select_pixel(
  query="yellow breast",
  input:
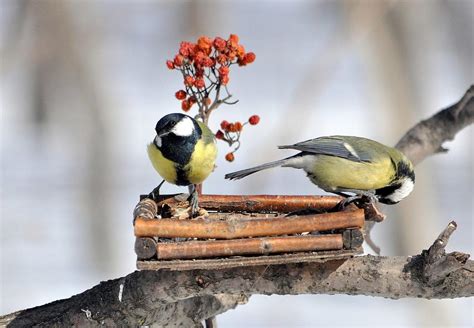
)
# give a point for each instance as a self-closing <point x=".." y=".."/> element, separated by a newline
<point x="337" y="172"/>
<point x="202" y="161"/>
<point x="162" y="165"/>
<point x="200" y="165"/>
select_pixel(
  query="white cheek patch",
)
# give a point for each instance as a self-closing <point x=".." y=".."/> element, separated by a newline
<point x="183" y="128"/>
<point x="158" y="141"/>
<point x="404" y="190"/>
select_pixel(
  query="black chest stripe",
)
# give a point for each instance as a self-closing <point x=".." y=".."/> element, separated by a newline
<point x="181" y="176"/>
<point x="178" y="149"/>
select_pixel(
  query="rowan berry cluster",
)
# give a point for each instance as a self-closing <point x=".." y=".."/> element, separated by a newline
<point x="230" y="133"/>
<point x="205" y="67"/>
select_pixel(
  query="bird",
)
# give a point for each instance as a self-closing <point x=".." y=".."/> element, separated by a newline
<point x="346" y="165"/>
<point x="183" y="153"/>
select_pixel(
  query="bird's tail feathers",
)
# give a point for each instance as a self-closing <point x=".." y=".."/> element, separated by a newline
<point x="243" y="173"/>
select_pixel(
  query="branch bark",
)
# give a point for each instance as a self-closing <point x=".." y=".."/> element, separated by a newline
<point x="171" y="298"/>
<point x="427" y="137"/>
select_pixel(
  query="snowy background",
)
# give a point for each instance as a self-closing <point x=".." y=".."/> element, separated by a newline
<point x="84" y="82"/>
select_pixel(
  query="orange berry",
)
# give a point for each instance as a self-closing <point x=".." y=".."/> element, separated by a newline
<point x="224" y="79"/>
<point x="207" y="101"/>
<point x="222" y="59"/>
<point x="229" y="157"/>
<point x="187" y="49"/>
<point x="180" y="94"/>
<point x="249" y="58"/>
<point x="178" y="60"/>
<point x="231" y="55"/>
<point x="238" y="126"/>
<point x="188" y="80"/>
<point x="199" y="83"/>
<point x="224" y="70"/>
<point x="234" y="38"/>
<point x="204" y="43"/>
<point x="254" y="119"/>
<point x="170" y="64"/>
<point x="240" y="51"/>
<point x="219" y="43"/>
<point x="185" y="105"/>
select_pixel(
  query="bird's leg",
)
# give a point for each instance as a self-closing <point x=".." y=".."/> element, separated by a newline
<point x="156" y="192"/>
<point x="360" y="195"/>
<point x="193" y="200"/>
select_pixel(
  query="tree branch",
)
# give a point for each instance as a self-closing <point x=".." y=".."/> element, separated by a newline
<point x="427" y="137"/>
<point x="188" y="297"/>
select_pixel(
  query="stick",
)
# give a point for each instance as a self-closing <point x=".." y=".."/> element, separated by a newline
<point x="145" y="248"/>
<point x="252" y="246"/>
<point x="259" y="203"/>
<point x="238" y="228"/>
<point x="437" y="264"/>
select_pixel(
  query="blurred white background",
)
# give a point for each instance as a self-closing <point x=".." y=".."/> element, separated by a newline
<point x="84" y="82"/>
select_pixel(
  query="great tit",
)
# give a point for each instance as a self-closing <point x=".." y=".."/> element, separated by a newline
<point x="346" y="164"/>
<point x="183" y="152"/>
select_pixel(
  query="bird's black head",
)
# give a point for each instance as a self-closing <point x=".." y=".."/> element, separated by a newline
<point x="176" y="136"/>
<point x="401" y="186"/>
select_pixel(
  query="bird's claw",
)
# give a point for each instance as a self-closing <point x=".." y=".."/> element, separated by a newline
<point x="194" y="203"/>
<point x="155" y="193"/>
<point x="359" y="199"/>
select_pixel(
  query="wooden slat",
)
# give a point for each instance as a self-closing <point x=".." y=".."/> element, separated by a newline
<point x="258" y="203"/>
<point x="240" y="261"/>
<point x="240" y="228"/>
<point x="248" y="246"/>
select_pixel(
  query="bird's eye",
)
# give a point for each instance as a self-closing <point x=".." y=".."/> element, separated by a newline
<point x="170" y="125"/>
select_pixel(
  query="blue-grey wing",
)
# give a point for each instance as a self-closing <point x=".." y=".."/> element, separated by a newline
<point x="350" y="148"/>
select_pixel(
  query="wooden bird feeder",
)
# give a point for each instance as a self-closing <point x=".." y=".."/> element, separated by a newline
<point x="244" y="230"/>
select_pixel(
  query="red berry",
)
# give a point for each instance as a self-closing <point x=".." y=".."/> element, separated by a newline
<point x="192" y="100"/>
<point x="224" y="79"/>
<point x="199" y="83"/>
<point x="180" y="94"/>
<point x="224" y="125"/>
<point x="178" y="60"/>
<point x="249" y="58"/>
<point x="254" y="119"/>
<point x="219" y="44"/>
<point x="185" y="105"/>
<point x="224" y="70"/>
<point x="170" y="64"/>
<point x="188" y="80"/>
<point x="229" y="157"/>
<point x="219" y="134"/>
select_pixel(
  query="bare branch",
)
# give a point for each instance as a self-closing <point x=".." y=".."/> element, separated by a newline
<point x="427" y="137"/>
<point x="438" y="264"/>
<point x="188" y="297"/>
